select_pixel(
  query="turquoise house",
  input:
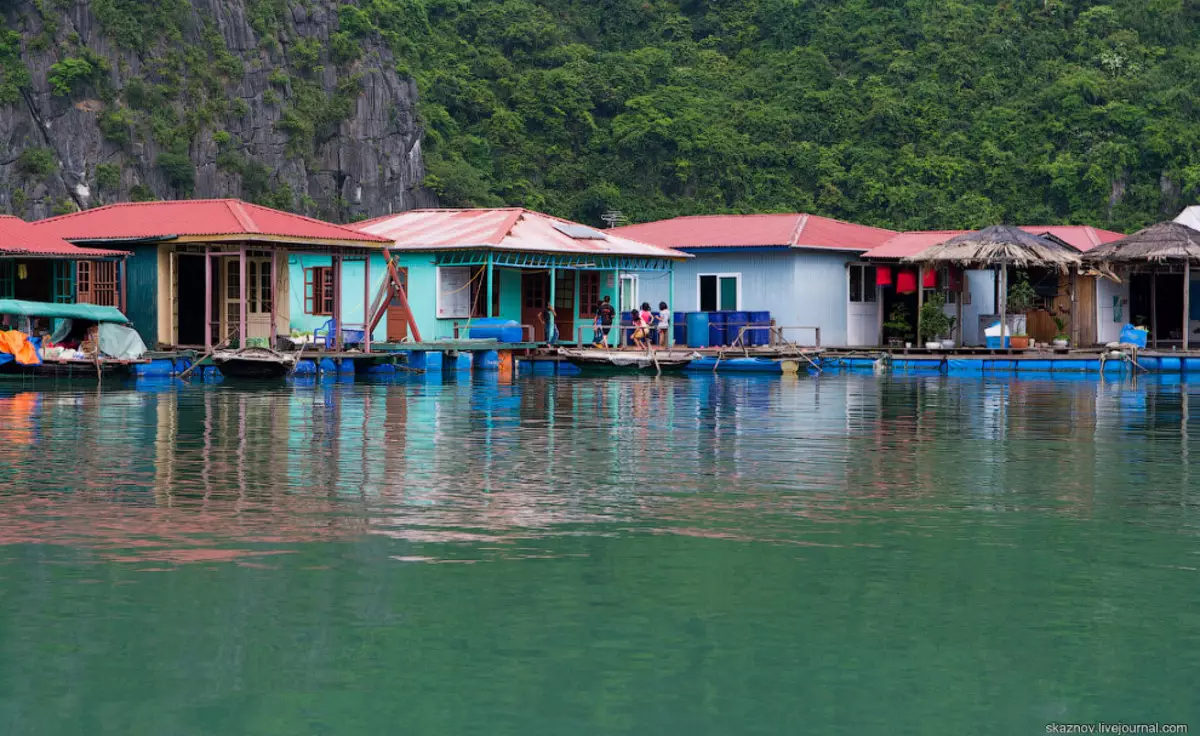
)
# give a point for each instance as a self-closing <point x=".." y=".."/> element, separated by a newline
<point x="461" y="266"/>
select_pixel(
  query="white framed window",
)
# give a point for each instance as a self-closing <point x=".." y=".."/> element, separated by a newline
<point x="718" y="292"/>
<point x="453" y="292"/>
<point x="629" y="293"/>
<point x="862" y="283"/>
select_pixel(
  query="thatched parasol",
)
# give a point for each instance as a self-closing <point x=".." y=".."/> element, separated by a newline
<point x="1166" y="242"/>
<point x="999" y="246"/>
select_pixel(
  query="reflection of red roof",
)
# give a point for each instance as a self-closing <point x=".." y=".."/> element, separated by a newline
<point x="21" y="238"/>
<point x="508" y="229"/>
<point x="198" y="218"/>
<point x="749" y="231"/>
<point x="1080" y="237"/>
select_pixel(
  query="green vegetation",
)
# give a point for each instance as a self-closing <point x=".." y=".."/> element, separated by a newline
<point x="36" y="163"/>
<point x="177" y="167"/>
<point x="935" y="323"/>
<point x="69" y="74"/>
<point x="904" y="113"/>
<point x="14" y="75"/>
<point x="108" y="177"/>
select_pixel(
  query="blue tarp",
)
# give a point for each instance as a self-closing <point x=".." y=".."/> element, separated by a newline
<point x="90" y="312"/>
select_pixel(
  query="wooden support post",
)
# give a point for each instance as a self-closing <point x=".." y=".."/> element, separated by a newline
<point x="367" y="303"/>
<point x="1154" y="309"/>
<point x="339" y="328"/>
<point x="1187" y="303"/>
<point x="487" y="309"/>
<point x="671" y="306"/>
<point x="208" y="299"/>
<point x="272" y="333"/>
<point x="553" y="301"/>
<point x="920" y="303"/>
<point x="244" y="289"/>
<point x="1002" y="290"/>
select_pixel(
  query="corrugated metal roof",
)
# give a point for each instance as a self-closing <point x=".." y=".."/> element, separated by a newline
<point x="196" y="218"/>
<point x="750" y="231"/>
<point x="18" y="237"/>
<point x="509" y="229"/>
<point x="1080" y="237"/>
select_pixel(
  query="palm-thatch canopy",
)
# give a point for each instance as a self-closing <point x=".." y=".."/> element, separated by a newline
<point x="999" y="245"/>
<point x="1161" y="243"/>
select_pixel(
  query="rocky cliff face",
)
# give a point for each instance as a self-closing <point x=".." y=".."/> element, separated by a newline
<point x="269" y="100"/>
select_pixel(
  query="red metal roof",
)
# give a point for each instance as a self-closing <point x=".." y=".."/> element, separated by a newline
<point x="509" y="229"/>
<point x="21" y="238"/>
<point x="1080" y="237"/>
<point x="197" y="218"/>
<point x="749" y="231"/>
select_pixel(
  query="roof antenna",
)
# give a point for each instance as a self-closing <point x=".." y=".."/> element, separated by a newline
<point x="614" y="218"/>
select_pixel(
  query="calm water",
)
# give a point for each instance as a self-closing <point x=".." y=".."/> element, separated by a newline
<point x="848" y="555"/>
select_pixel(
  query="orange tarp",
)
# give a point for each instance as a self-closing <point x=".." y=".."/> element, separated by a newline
<point x="17" y="345"/>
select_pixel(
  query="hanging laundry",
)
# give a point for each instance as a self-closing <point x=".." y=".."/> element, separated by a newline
<point x="929" y="280"/>
<point x="906" y="282"/>
<point x="883" y="275"/>
<point x="954" y="279"/>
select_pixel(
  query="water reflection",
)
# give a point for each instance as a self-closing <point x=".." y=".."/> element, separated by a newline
<point x="217" y="472"/>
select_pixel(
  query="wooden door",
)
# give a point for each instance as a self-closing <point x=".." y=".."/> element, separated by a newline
<point x="397" y="315"/>
<point x="535" y="289"/>
<point x="564" y="305"/>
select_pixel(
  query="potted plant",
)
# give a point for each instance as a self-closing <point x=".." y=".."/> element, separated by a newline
<point x="935" y="325"/>
<point x="1061" y="340"/>
<point x="949" y="342"/>
<point x="897" y="328"/>
<point x="1021" y="297"/>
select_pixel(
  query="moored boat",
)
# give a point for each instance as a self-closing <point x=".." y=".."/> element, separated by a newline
<point x="254" y="363"/>
<point x="633" y="361"/>
<point x="89" y="341"/>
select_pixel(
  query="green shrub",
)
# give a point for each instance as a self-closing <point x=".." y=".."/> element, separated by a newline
<point x="108" y="177"/>
<point x="14" y="75"/>
<point x="179" y="170"/>
<point x="36" y="162"/>
<point x="306" y="54"/>
<point x="141" y="193"/>
<point x="69" y="74"/>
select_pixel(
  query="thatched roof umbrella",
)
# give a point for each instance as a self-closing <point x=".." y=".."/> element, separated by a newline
<point x="999" y="246"/>
<point x="1166" y="242"/>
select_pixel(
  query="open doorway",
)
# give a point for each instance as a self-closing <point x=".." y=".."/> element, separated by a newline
<point x="190" y="291"/>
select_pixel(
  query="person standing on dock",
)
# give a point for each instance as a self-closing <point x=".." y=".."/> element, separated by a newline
<point x="664" y="323"/>
<point x="605" y="314"/>
<point x="546" y="317"/>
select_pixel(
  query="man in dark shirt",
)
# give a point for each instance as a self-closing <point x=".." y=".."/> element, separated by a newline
<point x="605" y="314"/>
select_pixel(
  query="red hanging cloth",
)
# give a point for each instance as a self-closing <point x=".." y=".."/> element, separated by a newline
<point x="883" y="275"/>
<point x="929" y="280"/>
<point x="954" y="279"/>
<point x="906" y="281"/>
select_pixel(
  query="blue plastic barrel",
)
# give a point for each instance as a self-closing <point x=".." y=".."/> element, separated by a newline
<point x="697" y="330"/>
<point x="716" y="328"/>
<point x="496" y="328"/>
<point x="734" y="322"/>
<point x="760" y="330"/>
<point x="679" y="322"/>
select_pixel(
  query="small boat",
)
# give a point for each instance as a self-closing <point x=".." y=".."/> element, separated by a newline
<point x="254" y="363"/>
<point x="104" y="342"/>
<point x="654" y="361"/>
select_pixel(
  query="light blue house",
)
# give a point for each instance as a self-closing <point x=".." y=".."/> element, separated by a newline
<point x="805" y="269"/>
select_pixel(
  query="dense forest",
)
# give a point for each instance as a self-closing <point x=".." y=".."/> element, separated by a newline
<point x="901" y="113"/>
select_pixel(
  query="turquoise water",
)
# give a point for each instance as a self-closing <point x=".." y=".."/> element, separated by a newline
<point x="693" y="555"/>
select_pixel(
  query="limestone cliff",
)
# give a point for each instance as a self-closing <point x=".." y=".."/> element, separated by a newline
<point x="269" y="100"/>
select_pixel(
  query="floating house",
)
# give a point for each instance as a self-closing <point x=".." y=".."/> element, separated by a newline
<point x="461" y="266"/>
<point x="1094" y="307"/>
<point x="206" y="271"/>
<point x="37" y="266"/>
<point x="805" y="269"/>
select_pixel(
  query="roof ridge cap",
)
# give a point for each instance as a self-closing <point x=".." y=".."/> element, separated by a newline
<point x="242" y="216"/>
<point x="798" y="230"/>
